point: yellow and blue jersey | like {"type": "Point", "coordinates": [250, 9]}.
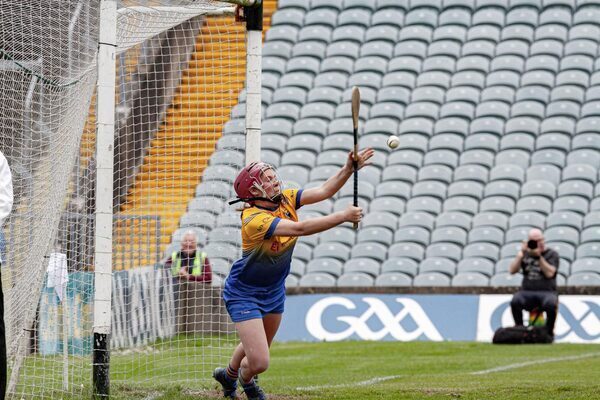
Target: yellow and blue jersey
{"type": "Point", "coordinates": [266, 259]}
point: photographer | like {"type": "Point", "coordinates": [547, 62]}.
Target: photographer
{"type": "Point", "coordinates": [539, 266]}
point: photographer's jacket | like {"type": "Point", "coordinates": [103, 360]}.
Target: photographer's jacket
{"type": "Point", "coordinates": [533, 276]}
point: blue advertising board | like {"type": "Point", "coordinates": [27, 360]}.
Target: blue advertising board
{"type": "Point", "coordinates": [334, 317]}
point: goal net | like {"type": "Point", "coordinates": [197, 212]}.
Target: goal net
{"type": "Point", "coordinates": [178, 142]}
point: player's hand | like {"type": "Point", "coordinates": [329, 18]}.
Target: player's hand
{"type": "Point", "coordinates": [353, 214]}
{"type": "Point", "coordinates": [363, 158]}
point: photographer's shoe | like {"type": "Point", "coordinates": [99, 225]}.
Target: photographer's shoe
{"type": "Point", "coordinates": [229, 385]}
{"type": "Point", "coordinates": [252, 390]}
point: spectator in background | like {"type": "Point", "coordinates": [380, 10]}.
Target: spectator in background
{"type": "Point", "coordinates": [190, 263]}
{"type": "Point", "coordinates": [6, 202]}
{"type": "Point", "coordinates": [538, 291]}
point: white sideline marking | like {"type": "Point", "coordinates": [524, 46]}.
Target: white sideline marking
{"type": "Point", "coordinates": [344, 385]}
{"type": "Point", "coordinates": [536, 362]}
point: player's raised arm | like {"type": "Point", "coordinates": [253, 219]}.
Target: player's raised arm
{"type": "Point", "coordinates": [315, 225]}
{"type": "Point", "coordinates": [335, 183]}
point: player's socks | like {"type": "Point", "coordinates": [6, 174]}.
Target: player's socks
{"type": "Point", "coordinates": [232, 373]}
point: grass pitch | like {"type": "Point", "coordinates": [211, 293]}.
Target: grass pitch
{"type": "Point", "coordinates": [368, 370]}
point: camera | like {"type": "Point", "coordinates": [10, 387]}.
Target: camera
{"type": "Point", "coordinates": [532, 244]}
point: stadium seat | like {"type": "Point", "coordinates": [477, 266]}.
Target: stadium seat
{"type": "Point", "coordinates": [431, 279]}
{"type": "Point", "coordinates": [381, 235]}
{"type": "Point", "coordinates": [444, 250]}
{"type": "Point", "coordinates": [330, 266]}
{"type": "Point", "coordinates": [373, 250]}
{"type": "Point", "coordinates": [592, 219]}
{"type": "Point", "coordinates": [476, 173]}
{"type": "Point", "coordinates": [539, 188]}
{"type": "Point", "coordinates": [229, 219]}
{"type": "Point", "coordinates": [466, 188]}
{"type": "Point", "coordinates": [564, 249]}
{"type": "Point", "coordinates": [544, 172]}
{"type": "Point", "coordinates": [453, 219]}
{"type": "Point", "coordinates": [506, 280]}
{"type": "Point", "coordinates": [483, 250]}
{"type": "Point", "coordinates": [362, 265]}
{"type": "Point", "coordinates": [538, 204]}
{"type": "Point", "coordinates": [336, 250]}
{"type": "Point", "coordinates": [490, 219]}
{"type": "Point", "coordinates": [214, 205]}
{"type": "Point", "coordinates": [551, 156]}
{"type": "Point", "coordinates": [318, 279]}
{"type": "Point", "coordinates": [291, 281]}
{"type": "Point", "coordinates": [214, 188]}
{"type": "Point", "coordinates": [576, 188]}
{"type": "Point", "coordinates": [341, 234]}
{"type": "Point", "coordinates": [404, 265]}
{"type": "Point", "coordinates": [501, 204]}
{"type": "Point", "coordinates": [476, 264]}
{"type": "Point", "coordinates": [449, 234]}
{"type": "Point", "coordinates": [571, 203]}
{"type": "Point", "coordinates": [388, 204]}
{"type": "Point", "coordinates": [579, 172]}
{"type": "Point", "coordinates": [393, 279]}
{"type": "Point", "coordinates": [220, 173]}
{"type": "Point", "coordinates": [303, 251]}
{"type": "Point", "coordinates": [584, 279]}
{"type": "Point", "coordinates": [380, 219]}
{"type": "Point", "coordinates": [429, 188]}
{"type": "Point", "coordinates": [435, 172]}
{"type": "Point", "coordinates": [411, 251]}
{"type": "Point", "coordinates": [437, 264]}
{"type": "Point", "coordinates": [586, 141]}
{"type": "Point", "coordinates": [414, 234]}
{"type": "Point", "coordinates": [590, 249]}
{"type": "Point", "coordinates": [486, 234]}
{"type": "Point", "coordinates": [468, 279]}
{"type": "Point", "coordinates": [504, 188]}
{"type": "Point", "coordinates": [355, 279]}
{"type": "Point", "coordinates": [427, 204]}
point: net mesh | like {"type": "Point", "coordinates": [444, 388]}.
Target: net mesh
{"type": "Point", "coordinates": [180, 70]}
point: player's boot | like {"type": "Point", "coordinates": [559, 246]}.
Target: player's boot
{"type": "Point", "coordinates": [229, 385]}
{"type": "Point", "coordinates": [252, 390]}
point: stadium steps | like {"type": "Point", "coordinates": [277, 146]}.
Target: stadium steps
{"type": "Point", "coordinates": [180, 150]}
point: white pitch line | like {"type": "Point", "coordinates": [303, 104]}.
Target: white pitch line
{"type": "Point", "coordinates": [353, 384]}
{"type": "Point", "coordinates": [536, 362]}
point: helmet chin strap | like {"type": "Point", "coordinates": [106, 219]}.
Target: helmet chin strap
{"type": "Point", "coordinates": [276, 199]}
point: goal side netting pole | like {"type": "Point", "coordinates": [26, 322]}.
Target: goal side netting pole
{"type": "Point", "coordinates": [254, 27]}
{"type": "Point", "coordinates": [105, 139]}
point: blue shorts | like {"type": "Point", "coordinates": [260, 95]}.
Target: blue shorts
{"type": "Point", "coordinates": [246, 309]}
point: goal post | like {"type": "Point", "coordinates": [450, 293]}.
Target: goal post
{"type": "Point", "coordinates": [254, 26]}
{"type": "Point", "coordinates": [122, 129]}
{"type": "Point", "coordinates": [103, 249]}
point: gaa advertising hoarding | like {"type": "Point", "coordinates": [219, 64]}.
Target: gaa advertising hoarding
{"type": "Point", "coordinates": [337, 317]}
{"type": "Point", "coordinates": [143, 310]}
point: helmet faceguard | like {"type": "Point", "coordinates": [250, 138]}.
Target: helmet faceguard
{"type": "Point", "coordinates": [260, 176]}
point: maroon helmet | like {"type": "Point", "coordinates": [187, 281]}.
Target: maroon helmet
{"type": "Point", "coordinates": [251, 176]}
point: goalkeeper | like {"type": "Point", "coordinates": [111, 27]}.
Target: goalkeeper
{"type": "Point", "coordinates": [254, 291]}
{"type": "Point", "coordinates": [6, 201]}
